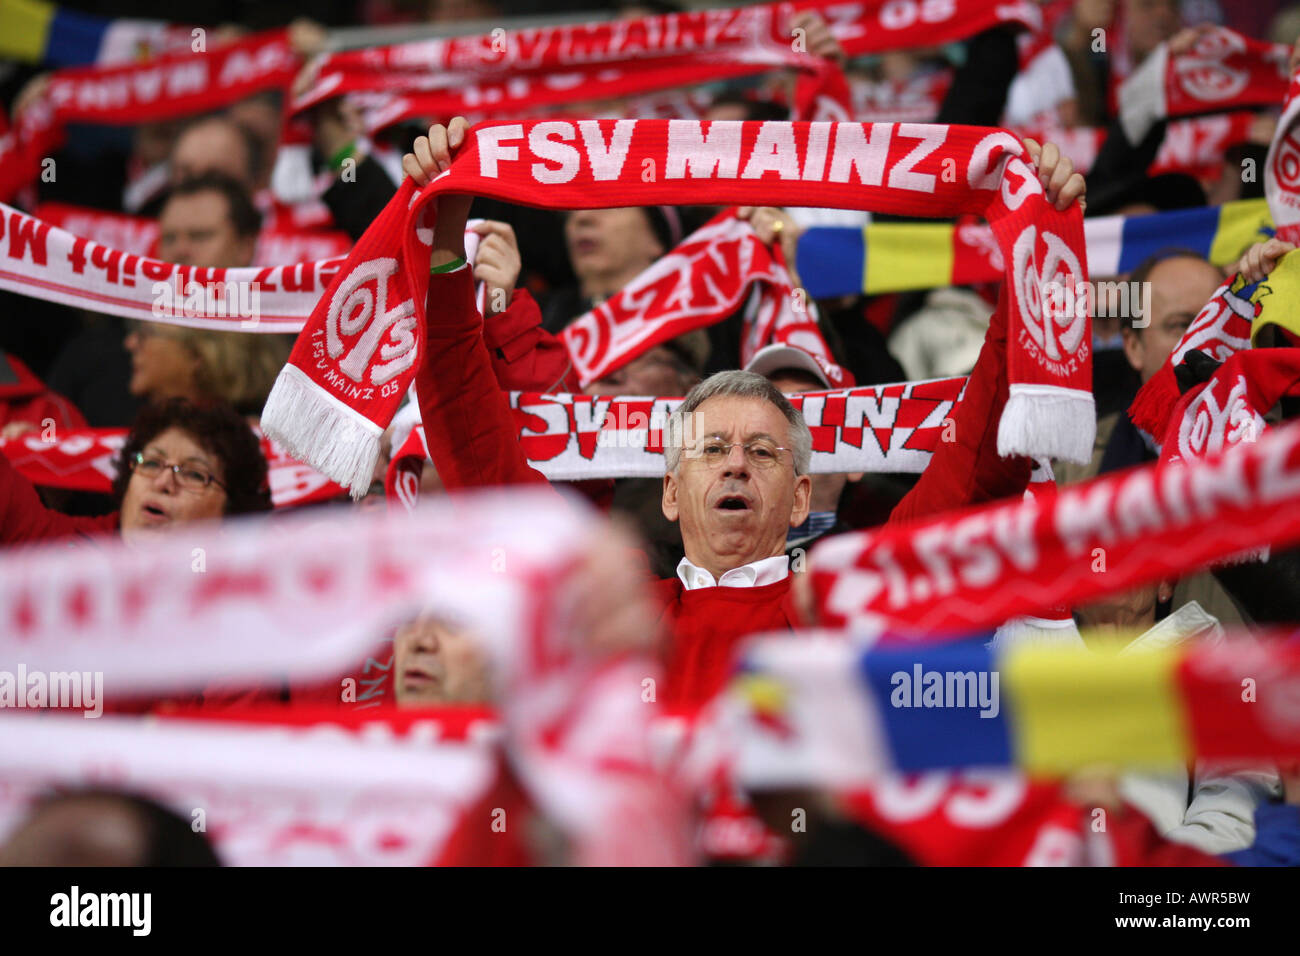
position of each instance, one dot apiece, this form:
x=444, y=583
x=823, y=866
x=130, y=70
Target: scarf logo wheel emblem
x=359, y=308
x=1053, y=310
x=1204, y=76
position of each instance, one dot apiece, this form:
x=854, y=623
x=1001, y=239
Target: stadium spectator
x=608, y=248
x=181, y=463
x=437, y=662
x=792, y=370
x=210, y=222
x=736, y=476
x=173, y=361
x=220, y=145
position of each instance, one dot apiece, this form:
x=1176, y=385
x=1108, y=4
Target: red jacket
x=23, y=516
x=25, y=519
x=25, y=398
x=473, y=442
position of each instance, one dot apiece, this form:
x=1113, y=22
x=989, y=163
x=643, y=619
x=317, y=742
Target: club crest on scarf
x=359, y=313
x=1223, y=67
x=1286, y=162
x=1213, y=423
x=1222, y=327
x=1282, y=167
x=1053, y=300
x=1204, y=74
x=1228, y=409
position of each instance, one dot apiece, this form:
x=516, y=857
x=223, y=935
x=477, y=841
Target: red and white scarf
x=1229, y=408
x=86, y=270
x=166, y=87
x=280, y=242
x=270, y=795
x=304, y=598
x=517, y=72
x=355, y=359
x=872, y=428
x=1282, y=167
x=45, y=262
x=717, y=270
x=83, y=460
x=1222, y=71
x=994, y=818
x=974, y=569
x=1220, y=330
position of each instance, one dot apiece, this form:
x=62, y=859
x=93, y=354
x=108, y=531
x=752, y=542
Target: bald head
x=214, y=145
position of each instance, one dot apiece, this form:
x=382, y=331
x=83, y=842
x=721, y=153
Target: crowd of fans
x=718, y=531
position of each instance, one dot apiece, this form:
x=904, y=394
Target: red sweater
x=25, y=519
x=473, y=442
x=707, y=624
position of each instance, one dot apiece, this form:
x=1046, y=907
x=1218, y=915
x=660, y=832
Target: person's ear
x=1134, y=350
x=802, y=500
x=669, y=503
x=1165, y=592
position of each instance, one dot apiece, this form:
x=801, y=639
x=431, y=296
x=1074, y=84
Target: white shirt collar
x=755, y=575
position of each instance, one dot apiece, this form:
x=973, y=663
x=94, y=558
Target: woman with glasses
x=182, y=462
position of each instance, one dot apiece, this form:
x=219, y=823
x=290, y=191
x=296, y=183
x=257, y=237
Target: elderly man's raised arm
x=968, y=469
x=470, y=429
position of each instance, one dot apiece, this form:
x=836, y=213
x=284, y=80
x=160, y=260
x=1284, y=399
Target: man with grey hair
x=737, y=452
x=736, y=482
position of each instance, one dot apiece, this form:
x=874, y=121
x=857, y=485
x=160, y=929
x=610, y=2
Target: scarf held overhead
x=872, y=428
x=1229, y=408
x=509, y=73
x=276, y=602
x=45, y=262
x=357, y=356
x=974, y=569
x=1282, y=167
x=162, y=88
x=719, y=269
x=819, y=710
x=897, y=257
x=1222, y=70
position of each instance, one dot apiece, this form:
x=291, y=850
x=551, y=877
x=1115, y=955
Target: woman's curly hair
x=220, y=431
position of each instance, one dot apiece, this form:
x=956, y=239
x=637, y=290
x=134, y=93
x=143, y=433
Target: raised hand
x=1056, y=172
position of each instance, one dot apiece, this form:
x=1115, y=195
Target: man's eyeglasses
x=760, y=453
x=187, y=476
